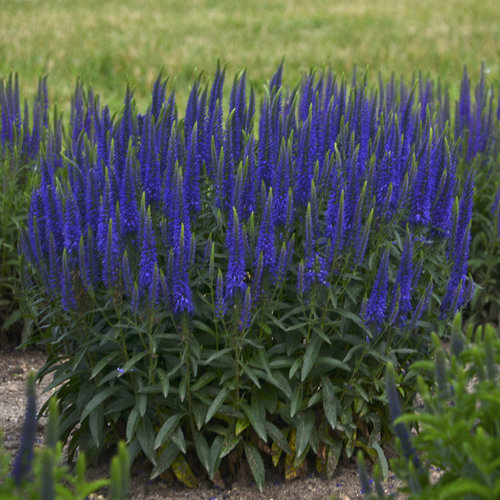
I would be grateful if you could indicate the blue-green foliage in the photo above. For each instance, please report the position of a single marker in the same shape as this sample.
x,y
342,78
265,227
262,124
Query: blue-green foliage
x,y
458,427
203,287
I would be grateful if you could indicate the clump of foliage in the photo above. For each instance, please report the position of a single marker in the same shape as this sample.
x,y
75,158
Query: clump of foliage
x,y
212,295
458,426
39,473
20,142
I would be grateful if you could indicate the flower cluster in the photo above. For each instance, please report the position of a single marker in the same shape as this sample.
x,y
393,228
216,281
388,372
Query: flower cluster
x,y
15,129
475,120
330,169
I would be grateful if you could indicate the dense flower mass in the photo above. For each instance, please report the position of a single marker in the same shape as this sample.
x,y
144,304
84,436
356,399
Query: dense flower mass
x,y
300,199
231,275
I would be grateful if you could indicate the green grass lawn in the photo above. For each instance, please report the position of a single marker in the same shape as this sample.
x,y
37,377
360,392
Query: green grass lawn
x,y
107,43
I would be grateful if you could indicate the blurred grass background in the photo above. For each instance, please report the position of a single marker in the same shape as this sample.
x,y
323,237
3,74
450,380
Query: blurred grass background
x,y
109,43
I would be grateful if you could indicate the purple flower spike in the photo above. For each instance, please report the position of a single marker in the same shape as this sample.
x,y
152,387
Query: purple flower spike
x,y
68,297
376,308
266,238
405,278
111,260
148,254
182,296
22,463
220,301
464,214
236,264
128,203
455,296
281,184
158,96
192,175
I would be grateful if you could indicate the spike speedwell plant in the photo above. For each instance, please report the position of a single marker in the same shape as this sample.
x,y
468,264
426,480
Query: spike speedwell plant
x,y
212,294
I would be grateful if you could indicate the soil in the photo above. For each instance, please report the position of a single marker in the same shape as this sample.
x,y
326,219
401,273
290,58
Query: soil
x,y
14,368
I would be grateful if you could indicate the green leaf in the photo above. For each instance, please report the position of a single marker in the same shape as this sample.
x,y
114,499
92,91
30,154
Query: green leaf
x,y
333,458
296,326
146,437
164,381
205,379
216,404
183,387
381,459
131,423
256,465
276,321
269,398
330,401
250,372
142,403
352,350
183,472
278,437
310,356
283,384
265,327
264,363
85,489
241,425
132,361
103,363
167,429
280,362
314,399
202,450
296,402
333,363
217,355
199,411
214,456
348,314
179,439
293,312
294,368
96,420
462,487
322,334
165,460
150,389
98,399
256,421
113,374
12,318
120,474
203,327
305,425
362,392
230,442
